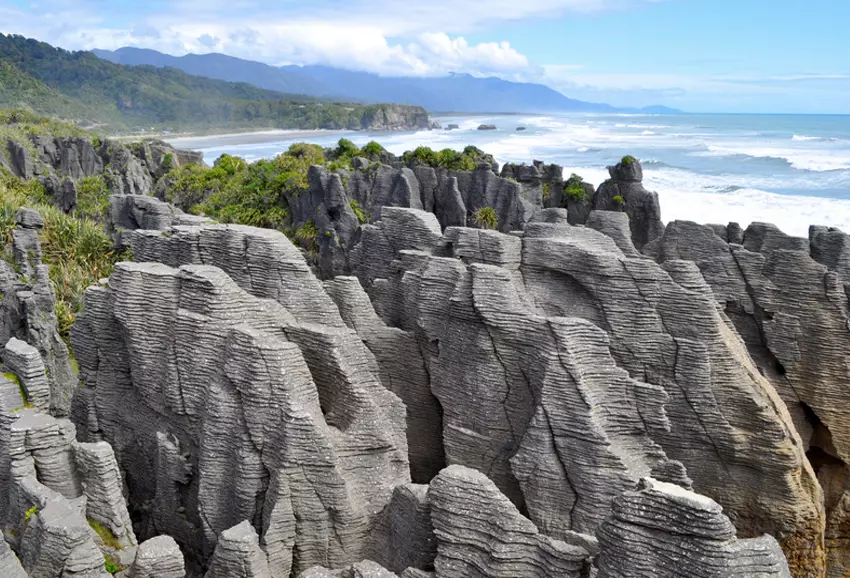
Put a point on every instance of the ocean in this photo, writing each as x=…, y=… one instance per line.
x=791, y=170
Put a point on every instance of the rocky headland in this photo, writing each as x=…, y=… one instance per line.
x=451, y=369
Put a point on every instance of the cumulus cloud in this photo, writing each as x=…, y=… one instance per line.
x=382, y=36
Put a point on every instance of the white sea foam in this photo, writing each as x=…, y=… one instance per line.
x=818, y=160
x=691, y=197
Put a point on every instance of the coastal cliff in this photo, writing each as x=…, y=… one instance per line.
x=449, y=370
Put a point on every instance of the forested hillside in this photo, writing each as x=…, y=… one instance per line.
x=80, y=86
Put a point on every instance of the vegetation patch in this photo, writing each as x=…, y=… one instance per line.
x=92, y=198
x=29, y=514
x=372, y=150
x=574, y=188
x=306, y=235
x=547, y=191
x=111, y=565
x=628, y=160
x=358, y=211
x=449, y=159
x=109, y=539
x=619, y=199
x=77, y=250
x=485, y=218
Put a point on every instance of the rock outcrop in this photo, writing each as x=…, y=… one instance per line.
x=509, y=317
x=544, y=399
x=265, y=264
x=159, y=557
x=389, y=117
x=655, y=531
x=625, y=192
x=245, y=412
x=787, y=298
x=28, y=313
x=60, y=162
x=472, y=522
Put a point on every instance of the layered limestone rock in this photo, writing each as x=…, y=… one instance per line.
x=224, y=407
x=58, y=542
x=60, y=162
x=663, y=531
x=519, y=332
x=159, y=557
x=364, y=569
x=481, y=534
x=56, y=492
x=28, y=313
x=238, y=555
x=23, y=361
x=10, y=566
x=404, y=537
x=402, y=371
x=336, y=203
x=130, y=212
x=266, y=264
x=787, y=297
x=625, y=192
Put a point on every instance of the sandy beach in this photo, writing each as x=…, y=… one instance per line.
x=242, y=138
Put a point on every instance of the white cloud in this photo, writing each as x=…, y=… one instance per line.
x=383, y=36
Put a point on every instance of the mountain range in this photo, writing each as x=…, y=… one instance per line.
x=453, y=93
x=88, y=90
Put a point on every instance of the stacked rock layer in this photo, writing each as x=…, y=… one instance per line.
x=614, y=399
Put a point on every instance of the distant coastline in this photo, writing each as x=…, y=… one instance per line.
x=198, y=140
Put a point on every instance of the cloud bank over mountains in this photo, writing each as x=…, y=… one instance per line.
x=392, y=38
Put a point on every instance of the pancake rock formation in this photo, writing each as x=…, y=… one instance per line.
x=564, y=395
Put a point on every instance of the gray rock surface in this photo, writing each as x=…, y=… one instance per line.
x=640, y=205
x=19, y=159
x=23, y=360
x=364, y=569
x=265, y=418
x=238, y=555
x=28, y=313
x=10, y=566
x=787, y=298
x=57, y=542
x=403, y=537
x=481, y=534
x=663, y=531
x=509, y=317
x=402, y=371
x=159, y=557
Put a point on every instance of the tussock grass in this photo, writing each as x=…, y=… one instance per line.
x=76, y=249
x=485, y=218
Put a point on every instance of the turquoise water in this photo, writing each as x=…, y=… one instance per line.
x=793, y=170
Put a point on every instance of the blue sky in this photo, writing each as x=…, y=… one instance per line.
x=699, y=55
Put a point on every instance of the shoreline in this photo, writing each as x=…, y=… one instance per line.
x=244, y=138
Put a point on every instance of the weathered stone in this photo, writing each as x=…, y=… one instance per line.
x=663, y=531
x=473, y=520
x=10, y=566
x=58, y=542
x=295, y=410
x=625, y=192
x=238, y=555
x=159, y=557
x=403, y=537
x=792, y=313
